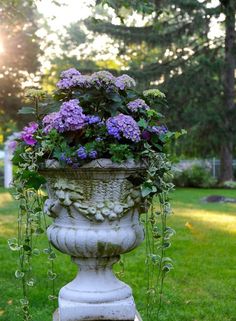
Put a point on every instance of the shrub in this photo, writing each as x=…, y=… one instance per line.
x=196, y=176
x=229, y=184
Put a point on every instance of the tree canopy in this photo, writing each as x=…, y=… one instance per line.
x=18, y=56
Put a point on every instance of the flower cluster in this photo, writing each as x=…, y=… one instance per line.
x=48, y=121
x=124, y=81
x=28, y=132
x=98, y=120
x=92, y=119
x=137, y=104
x=83, y=154
x=67, y=78
x=69, y=118
x=153, y=93
x=101, y=79
x=123, y=125
x=159, y=129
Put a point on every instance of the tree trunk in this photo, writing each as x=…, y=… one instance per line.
x=226, y=168
x=229, y=92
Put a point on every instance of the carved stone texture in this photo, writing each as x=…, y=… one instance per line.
x=96, y=218
x=56, y=317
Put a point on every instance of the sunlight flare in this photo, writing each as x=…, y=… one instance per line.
x=1, y=48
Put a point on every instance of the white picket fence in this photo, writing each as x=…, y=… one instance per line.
x=212, y=164
x=6, y=155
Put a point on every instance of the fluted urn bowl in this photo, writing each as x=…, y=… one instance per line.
x=96, y=218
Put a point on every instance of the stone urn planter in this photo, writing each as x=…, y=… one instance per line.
x=96, y=218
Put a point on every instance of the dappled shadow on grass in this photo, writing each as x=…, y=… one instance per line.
x=212, y=220
x=7, y=225
x=5, y=198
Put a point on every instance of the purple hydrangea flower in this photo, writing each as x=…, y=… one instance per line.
x=124, y=81
x=146, y=135
x=69, y=73
x=49, y=120
x=28, y=132
x=67, y=78
x=137, y=104
x=98, y=139
x=69, y=118
x=81, y=81
x=65, y=83
x=81, y=153
x=69, y=161
x=102, y=79
x=63, y=157
x=93, y=154
x=72, y=117
x=93, y=119
x=159, y=129
x=123, y=125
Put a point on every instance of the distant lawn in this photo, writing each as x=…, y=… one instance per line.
x=202, y=287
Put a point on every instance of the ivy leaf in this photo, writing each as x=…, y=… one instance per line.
x=147, y=188
x=167, y=267
x=19, y=274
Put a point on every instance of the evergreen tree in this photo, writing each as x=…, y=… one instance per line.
x=173, y=49
x=227, y=147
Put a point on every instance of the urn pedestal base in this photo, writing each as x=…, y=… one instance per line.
x=96, y=293
x=96, y=212
x=56, y=317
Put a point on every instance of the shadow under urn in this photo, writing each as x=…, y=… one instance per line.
x=96, y=212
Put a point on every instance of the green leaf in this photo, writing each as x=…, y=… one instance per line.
x=26, y=247
x=147, y=188
x=33, y=179
x=13, y=244
x=166, y=245
x=16, y=159
x=30, y=282
x=19, y=274
x=167, y=267
x=142, y=123
x=115, y=97
x=27, y=110
x=51, y=275
x=52, y=256
x=36, y=252
x=146, y=191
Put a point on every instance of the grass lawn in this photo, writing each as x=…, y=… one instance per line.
x=202, y=287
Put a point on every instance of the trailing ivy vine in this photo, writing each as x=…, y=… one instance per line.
x=32, y=223
x=156, y=191
x=97, y=116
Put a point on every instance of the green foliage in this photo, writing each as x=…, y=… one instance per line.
x=31, y=224
x=19, y=57
x=143, y=6
x=120, y=153
x=173, y=48
x=195, y=176
x=229, y=184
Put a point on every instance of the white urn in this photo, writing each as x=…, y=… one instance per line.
x=96, y=218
